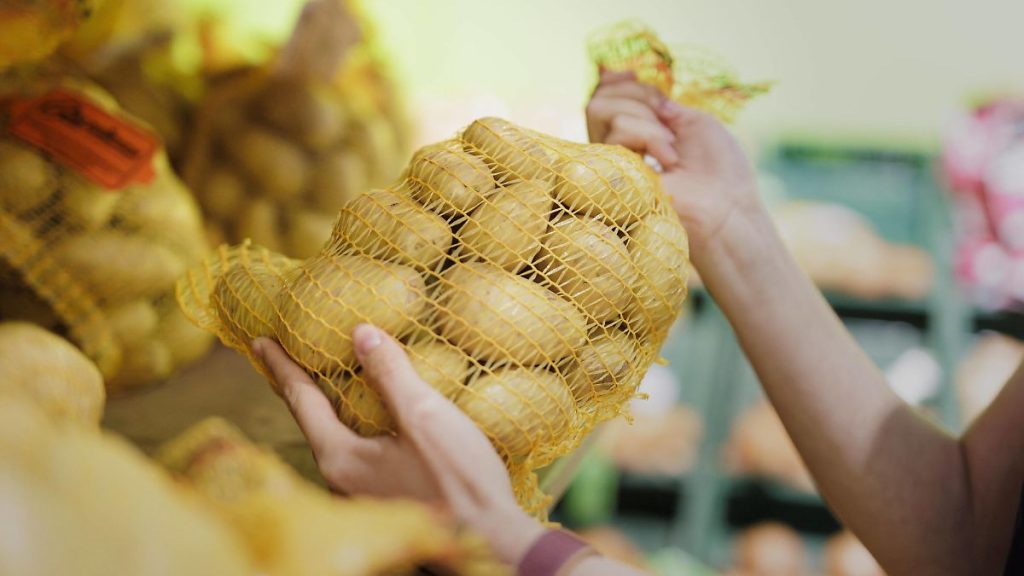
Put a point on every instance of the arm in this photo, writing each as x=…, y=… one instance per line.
x=439, y=455
x=921, y=500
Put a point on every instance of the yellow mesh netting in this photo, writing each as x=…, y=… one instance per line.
x=94, y=228
x=688, y=74
x=292, y=528
x=531, y=280
x=31, y=30
x=278, y=149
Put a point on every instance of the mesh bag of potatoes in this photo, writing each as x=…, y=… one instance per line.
x=31, y=30
x=293, y=528
x=532, y=281
x=688, y=74
x=94, y=228
x=277, y=150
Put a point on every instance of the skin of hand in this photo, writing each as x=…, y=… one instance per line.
x=439, y=455
x=921, y=500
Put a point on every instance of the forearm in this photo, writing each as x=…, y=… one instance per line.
x=893, y=477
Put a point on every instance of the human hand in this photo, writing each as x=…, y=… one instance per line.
x=704, y=169
x=438, y=456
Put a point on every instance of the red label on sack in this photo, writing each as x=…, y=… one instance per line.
x=110, y=151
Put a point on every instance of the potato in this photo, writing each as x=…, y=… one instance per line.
x=494, y=315
x=258, y=221
x=359, y=406
x=447, y=180
x=585, y=261
x=308, y=112
x=512, y=153
x=338, y=177
x=607, y=181
x=21, y=303
x=145, y=362
x=609, y=361
x=222, y=193
x=117, y=267
x=507, y=229
x=51, y=372
x=162, y=210
x=27, y=180
x=660, y=250
x=387, y=226
x=329, y=295
x=519, y=408
x=441, y=365
x=375, y=138
x=133, y=321
x=307, y=232
x=184, y=340
x=85, y=205
x=275, y=166
x=244, y=295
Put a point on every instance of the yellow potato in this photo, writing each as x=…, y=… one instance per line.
x=185, y=341
x=222, y=194
x=307, y=232
x=85, y=205
x=607, y=181
x=276, y=167
x=377, y=142
x=244, y=295
x=441, y=365
x=448, y=180
x=507, y=229
x=391, y=227
x=145, y=362
x=610, y=360
x=162, y=210
x=511, y=152
x=309, y=112
x=519, y=409
x=258, y=221
x=338, y=177
x=118, y=268
x=49, y=371
x=133, y=321
x=359, y=406
x=494, y=315
x=329, y=295
x=586, y=262
x=27, y=180
x=660, y=250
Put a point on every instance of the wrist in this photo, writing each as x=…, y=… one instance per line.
x=510, y=532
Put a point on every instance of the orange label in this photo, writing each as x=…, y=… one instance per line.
x=110, y=151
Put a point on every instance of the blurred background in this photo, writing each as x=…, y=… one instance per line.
x=891, y=151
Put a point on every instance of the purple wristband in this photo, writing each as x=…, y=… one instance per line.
x=553, y=551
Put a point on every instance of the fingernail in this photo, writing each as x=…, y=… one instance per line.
x=670, y=107
x=367, y=337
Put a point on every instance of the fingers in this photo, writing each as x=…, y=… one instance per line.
x=386, y=365
x=643, y=93
x=614, y=77
x=678, y=117
x=644, y=136
x=311, y=409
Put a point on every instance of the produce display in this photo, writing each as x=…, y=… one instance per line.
x=987, y=366
x=844, y=555
x=769, y=549
x=537, y=335
x=83, y=502
x=31, y=30
x=277, y=150
x=759, y=445
x=292, y=528
x=94, y=228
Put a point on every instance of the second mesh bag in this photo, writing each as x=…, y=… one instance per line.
x=531, y=280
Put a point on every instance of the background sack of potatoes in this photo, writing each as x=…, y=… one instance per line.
x=95, y=264
x=531, y=280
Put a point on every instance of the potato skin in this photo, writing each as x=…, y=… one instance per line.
x=441, y=365
x=509, y=151
x=244, y=296
x=311, y=113
x=133, y=321
x=448, y=180
x=660, y=251
x=330, y=295
x=339, y=176
x=358, y=405
x=506, y=230
x=609, y=360
x=307, y=232
x=585, y=262
x=27, y=180
x=118, y=268
x=494, y=315
x=277, y=167
x=519, y=409
x=388, y=226
x=606, y=181
x=258, y=221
